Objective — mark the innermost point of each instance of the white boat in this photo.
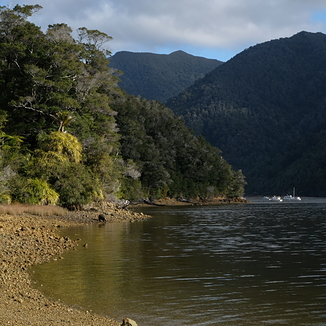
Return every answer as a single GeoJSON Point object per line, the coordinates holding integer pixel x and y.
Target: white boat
{"type": "Point", "coordinates": [291, 197]}
{"type": "Point", "coordinates": [276, 198]}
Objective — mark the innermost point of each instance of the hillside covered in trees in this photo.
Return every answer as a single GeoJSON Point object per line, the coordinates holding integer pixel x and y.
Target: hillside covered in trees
{"type": "Point", "coordinates": [160, 76]}
{"type": "Point", "coordinates": [266, 110]}
{"type": "Point", "coordinates": [71, 136]}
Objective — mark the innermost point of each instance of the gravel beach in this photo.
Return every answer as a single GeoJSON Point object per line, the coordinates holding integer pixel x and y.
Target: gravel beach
{"type": "Point", "coordinates": [27, 239]}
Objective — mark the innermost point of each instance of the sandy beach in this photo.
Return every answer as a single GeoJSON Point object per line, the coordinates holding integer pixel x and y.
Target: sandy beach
{"type": "Point", "coordinates": [28, 239]}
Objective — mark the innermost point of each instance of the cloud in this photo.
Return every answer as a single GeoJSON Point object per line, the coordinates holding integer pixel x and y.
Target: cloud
{"type": "Point", "coordinates": [153, 25]}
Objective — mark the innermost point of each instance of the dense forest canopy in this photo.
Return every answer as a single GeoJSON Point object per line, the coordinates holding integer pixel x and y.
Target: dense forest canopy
{"type": "Point", "coordinates": [70, 135]}
{"type": "Point", "coordinates": [265, 109]}
{"type": "Point", "coordinates": [160, 76]}
{"type": "Point", "coordinates": [171, 159]}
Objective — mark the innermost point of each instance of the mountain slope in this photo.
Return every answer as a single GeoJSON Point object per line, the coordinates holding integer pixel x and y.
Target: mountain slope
{"type": "Point", "coordinates": [170, 159]}
{"type": "Point", "coordinates": [159, 76]}
{"type": "Point", "coordinates": [261, 107]}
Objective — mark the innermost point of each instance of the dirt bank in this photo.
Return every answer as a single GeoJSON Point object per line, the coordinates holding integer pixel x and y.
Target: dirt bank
{"type": "Point", "coordinates": [26, 240]}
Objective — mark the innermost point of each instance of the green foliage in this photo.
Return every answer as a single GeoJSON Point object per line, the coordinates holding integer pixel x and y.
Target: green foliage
{"type": "Point", "coordinates": [69, 135]}
{"type": "Point", "coordinates": [76, 186]}
{"type": "Point", "coordinates": [50, 81]}
{"type": "Point", "coordinates": [171, 160]}
{"type": "Point", "coordinates": [6, 176]}
{"type": "Point", "coordinates": [59, 147]}
{"type": "Point", "coordinates": [159, 76]}
{"type": "Point", "coordinates": [5, 199]}
{"type": "Point", "coordinates": [130, 188]}
{"type": "Point", "coordinates": [260, 108]}
{"type": "Point", "coordinates": [33, 191]}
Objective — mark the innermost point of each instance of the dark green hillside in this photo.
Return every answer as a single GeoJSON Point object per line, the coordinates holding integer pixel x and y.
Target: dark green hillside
{"type": "Point", "coordinates": [70, 136]}
{"type": "Point", "coordinates": [261, 108]}
{"type": "Point", "coordinates": [171, 160]}
{"type": "Point", "coordinates": [160, 76]}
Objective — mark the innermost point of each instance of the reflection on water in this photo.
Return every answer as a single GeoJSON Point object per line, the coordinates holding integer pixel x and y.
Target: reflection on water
{"type": "Point", "coordinates": [255, 264]}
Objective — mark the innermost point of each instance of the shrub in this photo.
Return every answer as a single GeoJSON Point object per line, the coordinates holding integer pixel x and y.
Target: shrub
{"type": "Point", "coordinates": [33, 191]}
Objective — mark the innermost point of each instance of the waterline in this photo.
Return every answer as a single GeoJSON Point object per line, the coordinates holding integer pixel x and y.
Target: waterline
{"type": "Point", "coordinates": [250, 264]}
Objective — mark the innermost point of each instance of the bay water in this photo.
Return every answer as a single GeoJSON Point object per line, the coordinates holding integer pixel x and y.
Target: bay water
{"type": "Point", "coordinates": [262, 263]}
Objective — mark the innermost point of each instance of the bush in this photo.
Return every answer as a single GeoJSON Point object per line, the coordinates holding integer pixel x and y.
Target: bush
{"type": "Point", "coordinates": [33, 191]}
{"type": "Point", "coordinates": [77, 186]}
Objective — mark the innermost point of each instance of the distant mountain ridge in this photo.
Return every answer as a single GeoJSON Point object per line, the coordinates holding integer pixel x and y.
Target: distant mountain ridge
{"type": "Point", "coordinates": [266, 110]}
{"type": "Point", "coordinates": [160, 76]}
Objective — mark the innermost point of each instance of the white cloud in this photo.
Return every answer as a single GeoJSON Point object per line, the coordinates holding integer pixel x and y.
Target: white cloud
{"type": "Point", "coordinates": [152, 25]}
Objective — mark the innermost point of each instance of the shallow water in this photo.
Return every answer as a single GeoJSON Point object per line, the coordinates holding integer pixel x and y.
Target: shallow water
{"type": "Point", "coordinates": [255, 264]}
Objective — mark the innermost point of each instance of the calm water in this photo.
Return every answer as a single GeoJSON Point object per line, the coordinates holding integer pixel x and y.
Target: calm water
{"type": "Point", "coordinates": [256, 264]}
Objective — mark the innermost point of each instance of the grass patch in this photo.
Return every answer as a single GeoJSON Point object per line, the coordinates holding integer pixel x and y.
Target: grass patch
{"type": "Point", "coordinates": [17, 209]}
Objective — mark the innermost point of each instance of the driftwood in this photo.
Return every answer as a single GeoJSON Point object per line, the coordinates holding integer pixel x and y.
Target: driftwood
{"type": "Point", "coordinates": [124, 204]}
{"type": "Point", "coordinates": [184, 200]}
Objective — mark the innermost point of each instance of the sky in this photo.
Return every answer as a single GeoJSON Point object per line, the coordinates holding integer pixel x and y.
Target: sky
{"type": "Point", "coordinates": [217, 29]}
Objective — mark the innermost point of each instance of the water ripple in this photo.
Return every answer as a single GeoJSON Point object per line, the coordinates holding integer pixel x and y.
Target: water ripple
{"type": "Point", "coordinates": [256, 264]}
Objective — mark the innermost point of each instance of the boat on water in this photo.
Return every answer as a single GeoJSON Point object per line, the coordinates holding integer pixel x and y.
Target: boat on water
{"type": "Point", "coordinates": [292, 197]}
{"type": "Point", "coordinates": [276, 198]}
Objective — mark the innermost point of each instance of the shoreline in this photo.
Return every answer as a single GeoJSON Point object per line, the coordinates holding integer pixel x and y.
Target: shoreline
{"type": "Point", "coordinates": [171, 202]}
{"type": "Point", "coordinates": [27, 240]}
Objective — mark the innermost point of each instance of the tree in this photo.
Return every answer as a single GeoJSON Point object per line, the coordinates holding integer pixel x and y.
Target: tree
{"type": "Point", "coordinates": [74, 133]}
{"type": "Point", "coordinates": [59, 147]}
{"type": "Point", "coordinates": [77, 186]}
{"type": "Point", "coordinates": [171, 160]}
{"type": "Point", "coordinates": [65, 118]}
{"type": "Point", "coordinates": [51, 80]}
{"type": "Point", "coordinates": [94, 38]}
{"type": "Point", "coordinates": [33, 191]}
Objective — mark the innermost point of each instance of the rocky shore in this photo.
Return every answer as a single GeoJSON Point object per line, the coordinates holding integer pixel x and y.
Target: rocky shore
{"type": "Point", "coordinates": [27, 239]}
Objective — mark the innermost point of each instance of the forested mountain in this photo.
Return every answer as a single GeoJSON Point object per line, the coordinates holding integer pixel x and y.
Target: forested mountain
{"type": "Point", "coordinates": [71, 136]}
{"type": "Point", "coordinates": [159, 76]}
{"type": "Point", "coordinates": [172, 161]}
{"type": "Point", "coordinates": [266, 110]}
